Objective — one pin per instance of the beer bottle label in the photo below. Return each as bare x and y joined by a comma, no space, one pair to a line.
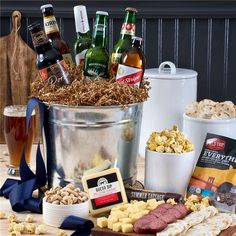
55,74
128,28
129,75
97,69
115,60
79,57
39,38
100,29
68,59
50,24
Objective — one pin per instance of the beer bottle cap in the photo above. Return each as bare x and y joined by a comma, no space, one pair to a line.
102,13
46,6
137,38
81,19
131,9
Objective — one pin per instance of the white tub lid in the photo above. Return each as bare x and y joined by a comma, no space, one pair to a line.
171,72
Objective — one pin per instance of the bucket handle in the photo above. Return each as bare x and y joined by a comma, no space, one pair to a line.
171,70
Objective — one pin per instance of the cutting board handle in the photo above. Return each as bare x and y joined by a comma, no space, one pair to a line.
16,20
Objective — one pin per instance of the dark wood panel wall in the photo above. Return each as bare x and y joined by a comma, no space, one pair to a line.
199,35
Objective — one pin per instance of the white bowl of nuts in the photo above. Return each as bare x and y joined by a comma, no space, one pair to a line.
169,161
60,203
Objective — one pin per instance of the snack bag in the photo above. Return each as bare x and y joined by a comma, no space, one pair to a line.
215,173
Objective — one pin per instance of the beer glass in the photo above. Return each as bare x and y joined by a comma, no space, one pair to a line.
16,137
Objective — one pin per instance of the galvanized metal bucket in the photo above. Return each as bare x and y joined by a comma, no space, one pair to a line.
87,139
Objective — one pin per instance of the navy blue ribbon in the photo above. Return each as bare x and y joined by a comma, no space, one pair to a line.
20,191
81,226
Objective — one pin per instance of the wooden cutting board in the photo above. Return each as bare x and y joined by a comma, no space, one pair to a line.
17,69
231,231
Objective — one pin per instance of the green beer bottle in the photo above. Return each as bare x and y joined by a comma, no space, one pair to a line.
126,34
84,38
97,57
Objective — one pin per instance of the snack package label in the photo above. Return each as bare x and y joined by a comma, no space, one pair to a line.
129,75
104,191
215,172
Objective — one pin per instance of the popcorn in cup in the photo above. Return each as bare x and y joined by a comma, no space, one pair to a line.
169,161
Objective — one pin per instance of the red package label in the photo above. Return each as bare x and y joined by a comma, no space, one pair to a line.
215,144
106,199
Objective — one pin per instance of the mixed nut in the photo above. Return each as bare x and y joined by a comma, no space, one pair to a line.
65,196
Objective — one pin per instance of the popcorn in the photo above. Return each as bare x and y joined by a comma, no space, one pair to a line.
208,109
2,215
169,141
41,229
12,218
61,232
15,233
195,203
29,218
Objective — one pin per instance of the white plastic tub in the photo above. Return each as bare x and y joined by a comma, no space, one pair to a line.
197,128
168,172
54,214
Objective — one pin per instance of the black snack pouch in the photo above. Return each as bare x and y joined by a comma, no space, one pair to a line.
215,173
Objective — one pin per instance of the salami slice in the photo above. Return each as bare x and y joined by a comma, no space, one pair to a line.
166,206
168,218
176,213
182,209
157,226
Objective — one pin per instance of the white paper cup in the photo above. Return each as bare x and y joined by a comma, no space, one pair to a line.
54,214
168,172
197,128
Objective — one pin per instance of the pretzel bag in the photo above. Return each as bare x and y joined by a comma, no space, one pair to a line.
215,173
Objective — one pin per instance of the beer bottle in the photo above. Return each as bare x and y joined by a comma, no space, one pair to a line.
83,41
132,66
52,32
127,31
97,57
50,63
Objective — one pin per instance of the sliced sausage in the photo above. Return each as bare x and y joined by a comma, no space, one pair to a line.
181,208
166,206
156,226
176,213
168,218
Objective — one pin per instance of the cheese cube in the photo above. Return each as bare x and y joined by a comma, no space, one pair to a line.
125,220
141,205
111,220
102,222
144,212
134,218
151,202
122,207
127,228
116,227
120,214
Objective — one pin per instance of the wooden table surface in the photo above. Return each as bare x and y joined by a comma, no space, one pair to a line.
5,204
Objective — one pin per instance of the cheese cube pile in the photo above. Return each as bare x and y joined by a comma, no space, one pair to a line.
123,217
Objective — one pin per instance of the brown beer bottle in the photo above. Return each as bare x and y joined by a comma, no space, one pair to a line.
132,65
53,34
52,68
